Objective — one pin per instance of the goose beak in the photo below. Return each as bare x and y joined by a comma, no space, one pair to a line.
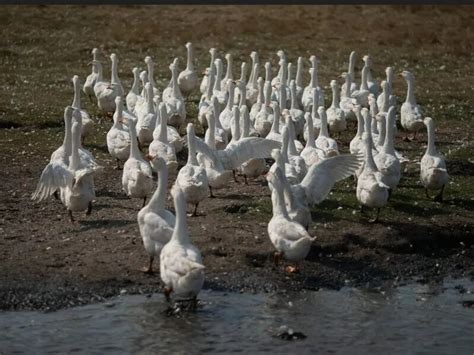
149,157
123,120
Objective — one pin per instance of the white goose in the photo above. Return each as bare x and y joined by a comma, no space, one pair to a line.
225,116
298,211
141,105
362,94
253,73
88,87
118,137
160,146
288,168
217,176
410,113
324,142
237,98
433,173
252,85
282,62
107,92
297,115
192,178
307,98
263,123
205,80
293,157
137,180
336,117
78,192
134,93
220,135
219,90
392,101
155,222
290,239
175,106
357,143
229,74
346,103
168,92
349,86
260,101
205,103
173,135
146,122
252,168
150,64
299,81
310,153
187,79
316,120
386,160
371,191
274,133
181,268
374,110
372,84
87,122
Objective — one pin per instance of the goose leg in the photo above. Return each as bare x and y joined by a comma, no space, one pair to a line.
144,201
194,303
406,139
389,194
149,269
118,164
277,257
167,291
70,216
89,208
194,214
439,197
235,176
427,194
376,219
293,269
245,178
56,195
211,195
82,139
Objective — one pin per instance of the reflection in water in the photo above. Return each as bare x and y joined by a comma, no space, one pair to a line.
412,318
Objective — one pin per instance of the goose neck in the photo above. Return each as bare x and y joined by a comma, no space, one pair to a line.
174,79
323,131
76,103
192,160
348,85
76,133
163,124
411,91
190,61
212,130
67,142
351,64
236,130
115,79
430,149
299,72
276,119
364,84
278,201
180,232
230,100
243,94
217,82
389,132
134,151
293,96
158,200
360,124
136,82
335,96
382,128
309,123
229,74
150,69
260,97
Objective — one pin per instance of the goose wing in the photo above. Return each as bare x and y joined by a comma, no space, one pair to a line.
322,176
245,149
54,176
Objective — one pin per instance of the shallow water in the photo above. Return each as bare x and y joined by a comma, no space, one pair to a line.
413,318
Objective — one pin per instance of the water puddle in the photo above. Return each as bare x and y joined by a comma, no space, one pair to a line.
414,318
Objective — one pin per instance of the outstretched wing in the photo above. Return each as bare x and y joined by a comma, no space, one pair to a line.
211,154
54,176
322,176
245,149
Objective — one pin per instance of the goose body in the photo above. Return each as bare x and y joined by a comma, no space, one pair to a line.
175,106
107,92
134,94
410,112
137,181
349,86
181,268
192,178
118,137
88,87
386,160
335,115
146,122
155,222
371,190
205,79
187,79
161,146
433,173
324,142
291,240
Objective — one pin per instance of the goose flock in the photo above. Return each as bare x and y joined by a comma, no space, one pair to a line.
247,122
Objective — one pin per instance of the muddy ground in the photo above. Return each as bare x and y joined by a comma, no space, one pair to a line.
48,263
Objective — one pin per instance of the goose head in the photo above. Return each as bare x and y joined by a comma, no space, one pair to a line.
333,84
95,51
136,71
156,162
384,85
367,60
408,76
281,54
114,58
314,61
254,57
68,112
188,45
